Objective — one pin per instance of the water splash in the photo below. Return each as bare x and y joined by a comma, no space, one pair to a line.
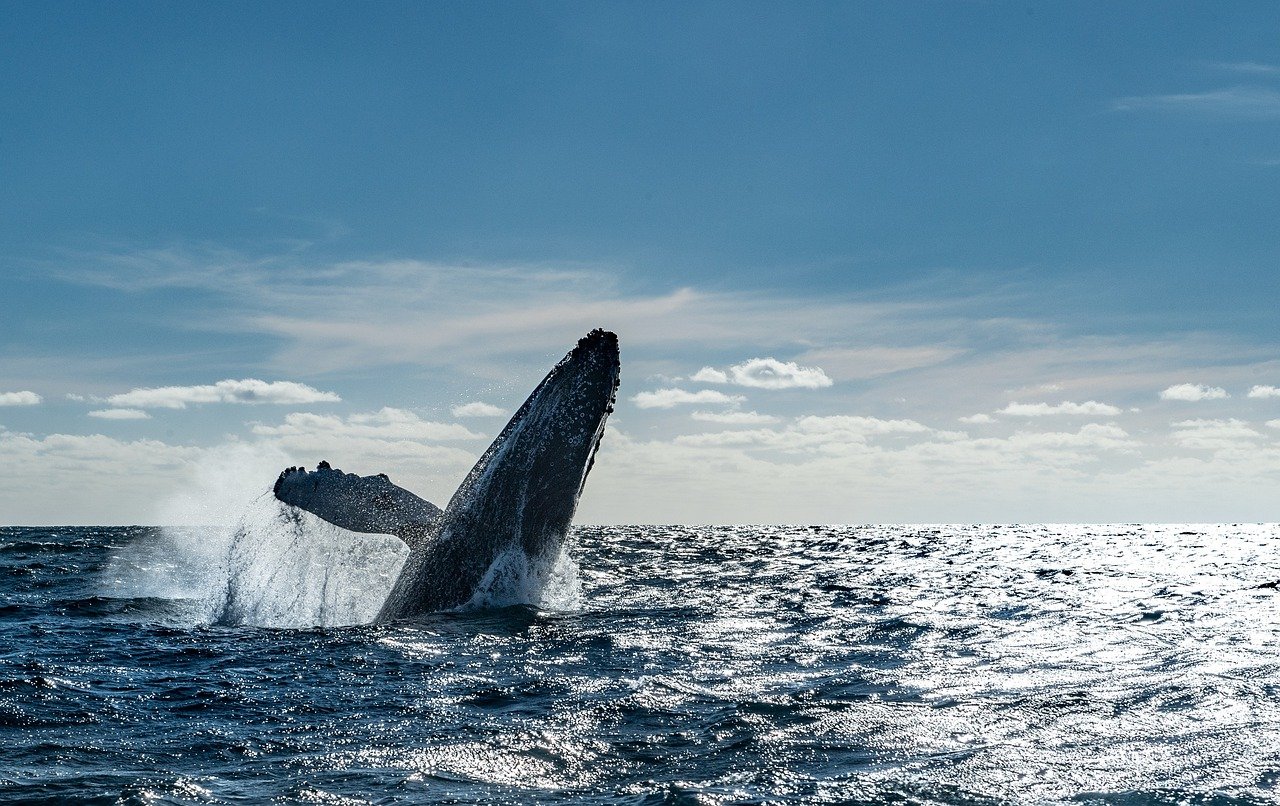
289,568
185,565
279,566
550,581
236,555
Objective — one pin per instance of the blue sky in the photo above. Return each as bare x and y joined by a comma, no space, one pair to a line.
945,208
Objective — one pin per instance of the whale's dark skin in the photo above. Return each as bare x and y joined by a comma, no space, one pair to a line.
359,503
521,494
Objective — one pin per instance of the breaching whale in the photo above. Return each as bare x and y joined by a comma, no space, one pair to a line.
521,494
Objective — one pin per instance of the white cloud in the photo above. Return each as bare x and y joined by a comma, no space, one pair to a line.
420,455
1192,392
1273,423
19,398
114,481
860,425
1264,391
503,328
385,424
149,481
1089,407
766,373
120,414
72,396
831,434
477,409
978,419
1214,434
249,390
670,398
710,375
734,417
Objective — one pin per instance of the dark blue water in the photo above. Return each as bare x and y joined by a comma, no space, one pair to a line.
698,665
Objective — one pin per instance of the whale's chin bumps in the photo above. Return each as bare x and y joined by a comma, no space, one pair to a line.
520,496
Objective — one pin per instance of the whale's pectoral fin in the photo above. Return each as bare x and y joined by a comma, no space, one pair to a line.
358,503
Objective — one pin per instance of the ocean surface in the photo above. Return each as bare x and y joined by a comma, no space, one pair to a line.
862,664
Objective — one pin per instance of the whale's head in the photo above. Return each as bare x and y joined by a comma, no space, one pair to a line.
523,491
526,486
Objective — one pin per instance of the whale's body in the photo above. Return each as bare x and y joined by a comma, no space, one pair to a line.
521,494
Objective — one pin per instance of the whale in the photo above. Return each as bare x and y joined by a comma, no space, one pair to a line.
521,495
370,504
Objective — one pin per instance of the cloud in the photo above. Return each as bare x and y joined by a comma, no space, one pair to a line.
249,390
19,398
734,417
766,373
434,320
832,434
1273,423
1214,434
488,319
1254,68
710,375
670,398
1093,436
862,470
1089,407
1240,102
477,409
1264,391
978,419
862,363
1192,392
120,414
139,481
420,455
385,424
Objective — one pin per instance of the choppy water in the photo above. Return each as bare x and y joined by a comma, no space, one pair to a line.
723,664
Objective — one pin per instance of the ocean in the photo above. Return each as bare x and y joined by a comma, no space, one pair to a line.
654,664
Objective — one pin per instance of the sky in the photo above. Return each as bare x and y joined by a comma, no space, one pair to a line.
877,262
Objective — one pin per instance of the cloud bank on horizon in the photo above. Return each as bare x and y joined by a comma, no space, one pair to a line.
1070,426
855,278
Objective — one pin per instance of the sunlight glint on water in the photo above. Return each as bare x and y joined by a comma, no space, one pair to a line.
1128,664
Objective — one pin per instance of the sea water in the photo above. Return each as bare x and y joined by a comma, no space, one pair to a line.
649,664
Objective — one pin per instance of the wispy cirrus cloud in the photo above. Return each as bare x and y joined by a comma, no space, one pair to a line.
246,391
1194,392
861,363
1248,68
322,316
1237,102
